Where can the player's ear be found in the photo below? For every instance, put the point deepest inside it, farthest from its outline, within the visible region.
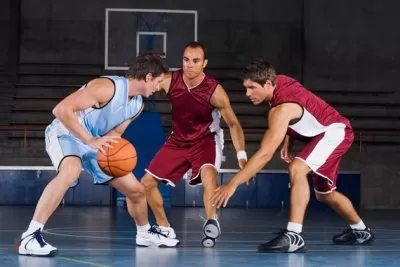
(205, 63)
(268, 84)
(149, 77)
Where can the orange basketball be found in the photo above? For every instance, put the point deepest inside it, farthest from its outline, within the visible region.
(119, 160)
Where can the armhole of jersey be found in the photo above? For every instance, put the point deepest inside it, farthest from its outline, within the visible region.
(172, 82)
(94, 107)
(294, 121)
(209, 100)
(138, 113)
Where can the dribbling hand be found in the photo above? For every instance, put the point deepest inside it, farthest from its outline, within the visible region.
(102, 142)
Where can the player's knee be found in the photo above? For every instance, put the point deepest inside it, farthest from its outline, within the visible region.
(148, 182)
(325, 198)
(137, 193)
(298, 169)
(70, 172)
(208, 176)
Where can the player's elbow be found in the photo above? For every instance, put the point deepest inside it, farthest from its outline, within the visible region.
(59, 110)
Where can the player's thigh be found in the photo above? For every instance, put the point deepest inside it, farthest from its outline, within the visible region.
(65, 153)
(169, 164)
(205, 159)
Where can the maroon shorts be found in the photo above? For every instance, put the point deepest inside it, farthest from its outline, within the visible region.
(323, 154)
(173, 161)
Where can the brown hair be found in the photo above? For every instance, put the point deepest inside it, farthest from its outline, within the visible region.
(198, 45)
(259, 71)
(147, 62)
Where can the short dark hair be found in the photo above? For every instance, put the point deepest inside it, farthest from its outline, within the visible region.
(147, 62)
(197, 45)
(259, 71)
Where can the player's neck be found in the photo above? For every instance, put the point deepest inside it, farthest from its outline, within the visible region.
(191, 83)
(135, 87)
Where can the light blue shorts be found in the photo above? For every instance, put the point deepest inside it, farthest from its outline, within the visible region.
(59, 147)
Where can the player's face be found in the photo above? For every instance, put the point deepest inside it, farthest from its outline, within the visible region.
(193, 62)
(255, 91)
(153, 84)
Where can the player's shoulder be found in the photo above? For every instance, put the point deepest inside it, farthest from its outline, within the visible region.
(284, 80)
(105, 81)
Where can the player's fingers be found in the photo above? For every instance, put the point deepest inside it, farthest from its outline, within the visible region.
(214, 198)
(226, 201)
(221, 201)
(218, 188)
(113, 138)
(106, 144)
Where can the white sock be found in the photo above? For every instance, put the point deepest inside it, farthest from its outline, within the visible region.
(33, 226)
(358, 226)
(294, 227)
(142, 228)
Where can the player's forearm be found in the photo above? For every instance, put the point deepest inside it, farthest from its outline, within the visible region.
(70, 121)
(253, 166)
(237, 137)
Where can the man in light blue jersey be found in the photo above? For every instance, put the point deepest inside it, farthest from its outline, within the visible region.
(90, 119)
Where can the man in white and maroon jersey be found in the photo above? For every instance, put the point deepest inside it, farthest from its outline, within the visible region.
(296, 112)
(196, 142)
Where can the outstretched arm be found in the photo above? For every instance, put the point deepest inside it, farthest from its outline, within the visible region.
(278, 120)
(220, 100)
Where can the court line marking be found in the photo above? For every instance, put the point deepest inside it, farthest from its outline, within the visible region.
(83, 262)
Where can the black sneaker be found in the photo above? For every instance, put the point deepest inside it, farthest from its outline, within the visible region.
(211, 228)
(354, 236)
(286, 241)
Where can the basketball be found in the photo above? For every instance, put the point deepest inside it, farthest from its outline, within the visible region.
(119, 160)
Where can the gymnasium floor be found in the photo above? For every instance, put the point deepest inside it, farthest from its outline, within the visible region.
(94, 236)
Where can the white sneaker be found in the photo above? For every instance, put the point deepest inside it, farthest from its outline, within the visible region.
(154, 238)
(167, 231)
(33, 244)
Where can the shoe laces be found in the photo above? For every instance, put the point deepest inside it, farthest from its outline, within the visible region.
(39, 238)
(155, 230)
(280, 232)
(348, 230)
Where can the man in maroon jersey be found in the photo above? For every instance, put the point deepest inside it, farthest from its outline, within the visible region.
(196, 141)
(296, 112)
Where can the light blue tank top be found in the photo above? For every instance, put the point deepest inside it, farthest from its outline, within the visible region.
(99, 121)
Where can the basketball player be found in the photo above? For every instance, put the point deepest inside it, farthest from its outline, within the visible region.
(196, 141)
(89, 119)
(294, 112)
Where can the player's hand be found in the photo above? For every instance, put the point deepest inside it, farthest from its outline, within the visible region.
(285, 154)
(222, 195)
(102, 142)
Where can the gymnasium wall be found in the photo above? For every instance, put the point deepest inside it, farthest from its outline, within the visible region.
(332, 45)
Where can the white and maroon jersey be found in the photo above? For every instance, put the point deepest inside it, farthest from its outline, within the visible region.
(318, 116)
